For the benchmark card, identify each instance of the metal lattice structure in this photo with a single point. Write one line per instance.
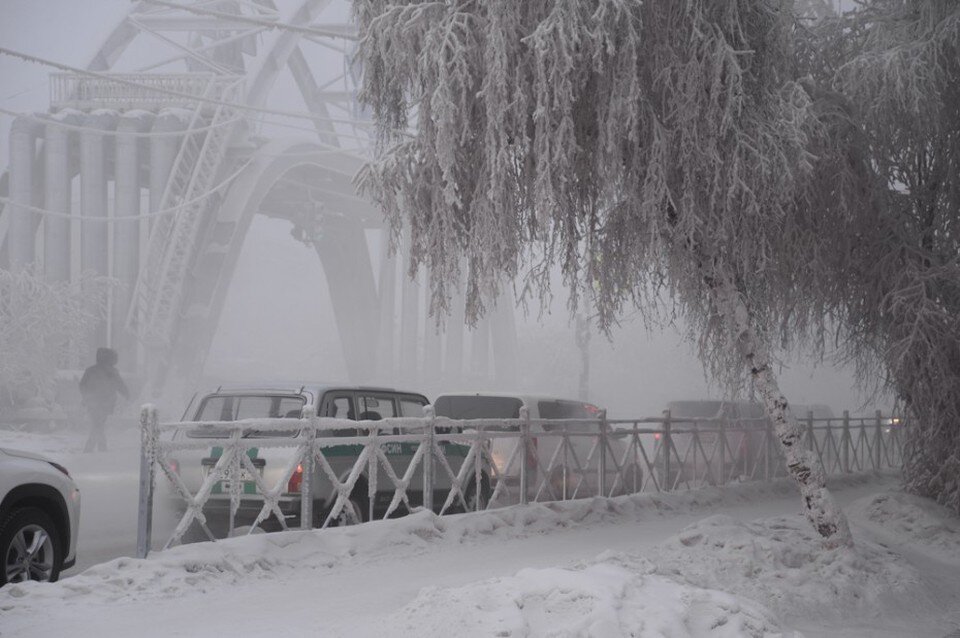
(184, 116)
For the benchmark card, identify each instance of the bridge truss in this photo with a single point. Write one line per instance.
(155, 157)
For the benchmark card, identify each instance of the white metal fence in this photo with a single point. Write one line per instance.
(400, 465)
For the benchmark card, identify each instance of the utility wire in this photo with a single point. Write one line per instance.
(269, 24)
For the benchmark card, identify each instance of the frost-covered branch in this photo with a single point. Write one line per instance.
(637, 146)
(44, 324)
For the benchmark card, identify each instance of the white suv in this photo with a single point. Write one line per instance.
(39, 517)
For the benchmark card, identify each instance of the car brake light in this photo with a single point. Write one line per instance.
(59, 467)
(296, 480)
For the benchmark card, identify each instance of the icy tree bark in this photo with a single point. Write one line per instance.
(820, 507)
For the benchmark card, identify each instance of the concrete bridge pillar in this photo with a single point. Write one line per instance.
(480, 350)
(126, 228)
(453, 363)
(432, 352)
(504, 340)
(94, 229)
(57, 195)
(386, 367)
(343, 251)
(409, 317)
(21, 238)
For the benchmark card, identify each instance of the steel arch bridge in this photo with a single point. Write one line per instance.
(154, 158)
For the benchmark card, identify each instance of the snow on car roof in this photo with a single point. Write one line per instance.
(525, 397)
(294, 387)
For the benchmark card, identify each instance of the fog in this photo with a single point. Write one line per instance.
(634, 373)
(278, 320)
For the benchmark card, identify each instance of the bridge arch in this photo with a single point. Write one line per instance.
(335, 227)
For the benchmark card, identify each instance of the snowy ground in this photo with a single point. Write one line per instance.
(710, 563)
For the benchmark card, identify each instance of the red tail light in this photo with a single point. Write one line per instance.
(296, 480)
(656, 436)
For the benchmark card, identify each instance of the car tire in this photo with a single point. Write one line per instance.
(354, 512)
(30, 547)
(471, 494)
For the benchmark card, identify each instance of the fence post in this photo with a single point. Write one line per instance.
(431, 417)
(148, 454)
(845, 443)
(810, 441)
(722, 435)
(667, 445)
(477, 476)
(307, 465)
(878, 443)
(602, 461)
(524, 451)
(767, 436)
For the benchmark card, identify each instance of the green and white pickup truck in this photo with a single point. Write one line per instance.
(366, 405)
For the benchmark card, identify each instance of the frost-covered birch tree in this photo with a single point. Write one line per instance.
(897, 64)
(669, 139)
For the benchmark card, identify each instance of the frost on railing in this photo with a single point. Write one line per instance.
(318, 472)
(134, 90)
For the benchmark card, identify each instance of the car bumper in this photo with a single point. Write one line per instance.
(73, 511)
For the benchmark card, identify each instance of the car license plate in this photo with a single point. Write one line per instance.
(225, 484)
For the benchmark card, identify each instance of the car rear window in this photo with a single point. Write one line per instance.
(695, 409)
(476, 407)
(253, 406)
(568, 410)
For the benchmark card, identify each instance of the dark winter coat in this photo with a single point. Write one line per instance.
(101, 383)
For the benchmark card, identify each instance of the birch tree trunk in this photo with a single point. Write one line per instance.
(820, 507)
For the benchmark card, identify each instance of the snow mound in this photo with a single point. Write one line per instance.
(782, 563)
(603, 599)
(929, 527)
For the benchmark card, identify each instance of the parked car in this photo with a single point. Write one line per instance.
(570, 479)
(353, 403)
(39, 517)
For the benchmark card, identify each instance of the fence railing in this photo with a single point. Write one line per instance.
(135, 90)
(318, 472)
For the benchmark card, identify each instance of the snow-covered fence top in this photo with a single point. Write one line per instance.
(317, 471)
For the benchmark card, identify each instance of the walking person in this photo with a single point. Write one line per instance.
(99, 387)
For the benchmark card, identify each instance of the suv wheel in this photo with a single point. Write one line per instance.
(472, 496)
(30, 547)
(353, 512)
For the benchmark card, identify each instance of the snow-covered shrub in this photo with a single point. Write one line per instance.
(44, 326)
